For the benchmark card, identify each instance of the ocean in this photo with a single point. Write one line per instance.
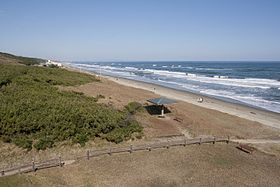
(255, 84)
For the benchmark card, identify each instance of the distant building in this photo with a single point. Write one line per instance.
(50, 63)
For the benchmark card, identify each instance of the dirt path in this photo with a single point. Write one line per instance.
(256, 141)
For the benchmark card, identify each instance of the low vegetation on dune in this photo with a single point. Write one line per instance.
(35, 114)
(6, 58)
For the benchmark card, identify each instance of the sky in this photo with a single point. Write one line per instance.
(136, 30)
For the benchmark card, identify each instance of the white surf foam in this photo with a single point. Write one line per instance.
(168, 73)
(197, 83)
(248, 82)
(131, 68)
(223, 80)
(248, 99)
(212, 69)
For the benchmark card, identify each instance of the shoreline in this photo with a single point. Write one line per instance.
(265, 117)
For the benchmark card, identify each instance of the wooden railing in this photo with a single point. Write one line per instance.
(34, 166)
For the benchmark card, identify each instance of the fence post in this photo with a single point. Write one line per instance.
(228, 139)
(88, 154)
(167, 146)
(110, 149)
(214, 140)
(60, 162)
(33, 165)
(200, 141)
(130, 150)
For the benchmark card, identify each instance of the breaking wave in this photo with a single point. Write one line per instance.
(258, 90)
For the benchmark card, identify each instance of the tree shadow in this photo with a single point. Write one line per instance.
(156, 109)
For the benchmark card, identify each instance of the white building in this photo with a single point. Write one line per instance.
(49, 62)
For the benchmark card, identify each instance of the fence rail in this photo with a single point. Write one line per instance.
(59, 162)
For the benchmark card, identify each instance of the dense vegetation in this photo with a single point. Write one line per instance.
(20, 59)
(34, 113)
(134, 107)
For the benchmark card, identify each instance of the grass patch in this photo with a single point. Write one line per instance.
(19, 180)
(221, 161)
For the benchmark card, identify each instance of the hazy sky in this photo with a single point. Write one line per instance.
(141, 29)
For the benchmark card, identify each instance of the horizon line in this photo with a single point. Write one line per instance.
(115, 61)
(119, 60)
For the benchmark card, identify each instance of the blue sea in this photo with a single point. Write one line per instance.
(256, 84)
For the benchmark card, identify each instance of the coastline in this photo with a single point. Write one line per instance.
(264, 117)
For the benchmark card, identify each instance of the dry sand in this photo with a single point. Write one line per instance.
(265, 117)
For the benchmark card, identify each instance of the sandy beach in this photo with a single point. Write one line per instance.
(265, 117)
(211, 117)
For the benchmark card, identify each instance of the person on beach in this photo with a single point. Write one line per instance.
(200, 100)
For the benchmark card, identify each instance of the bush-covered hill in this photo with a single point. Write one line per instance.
(34, 113)
(6, 58)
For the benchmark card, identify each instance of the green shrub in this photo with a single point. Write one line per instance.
(32, 108)
(116, 135)
(5, 82)
(81, 139)
(78, 93)
(133, 107)
(23, 142)
(139, 135)
(6, 139)
(99, 96)
(125, 131)
(43, 143)
(53, 66)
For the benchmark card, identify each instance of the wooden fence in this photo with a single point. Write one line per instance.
(34, 166)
